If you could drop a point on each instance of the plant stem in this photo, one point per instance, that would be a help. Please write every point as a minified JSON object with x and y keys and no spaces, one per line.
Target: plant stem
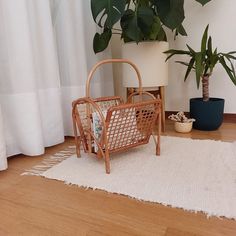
{"x":205,"y":88}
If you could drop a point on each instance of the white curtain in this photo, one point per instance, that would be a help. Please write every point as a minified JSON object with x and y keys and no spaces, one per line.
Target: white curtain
{"x":3,"y":159}
{"x":45,"y":55}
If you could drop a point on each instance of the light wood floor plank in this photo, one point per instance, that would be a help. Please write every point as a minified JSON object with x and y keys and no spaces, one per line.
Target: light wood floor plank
{"x":31,"y":205}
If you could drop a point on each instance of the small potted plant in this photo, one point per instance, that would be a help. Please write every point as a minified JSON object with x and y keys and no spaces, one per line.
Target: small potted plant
{"x":207,"y":111}
{"x":182,"y":123}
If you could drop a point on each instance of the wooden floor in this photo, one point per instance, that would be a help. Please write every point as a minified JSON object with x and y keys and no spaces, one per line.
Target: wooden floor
{"x":31,"y":205}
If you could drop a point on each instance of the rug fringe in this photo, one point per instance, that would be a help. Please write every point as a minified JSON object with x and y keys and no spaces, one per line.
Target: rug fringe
{"x":50,"y":161}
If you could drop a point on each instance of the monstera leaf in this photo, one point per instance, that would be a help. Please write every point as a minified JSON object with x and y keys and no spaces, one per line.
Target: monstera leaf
{"x":136,"y":24}
{"x":101,"y":41}
{"x":171,"y":12}
{"x":108,"y":12}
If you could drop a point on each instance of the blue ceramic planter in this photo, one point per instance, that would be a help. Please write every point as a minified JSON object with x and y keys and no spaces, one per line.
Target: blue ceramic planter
{"x":208,"y":115}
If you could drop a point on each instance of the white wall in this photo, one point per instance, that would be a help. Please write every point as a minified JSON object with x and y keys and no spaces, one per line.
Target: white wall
{"x":221,"y":17}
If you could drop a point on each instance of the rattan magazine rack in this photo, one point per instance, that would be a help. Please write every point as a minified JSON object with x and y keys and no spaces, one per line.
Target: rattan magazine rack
{"x":107,"y":125}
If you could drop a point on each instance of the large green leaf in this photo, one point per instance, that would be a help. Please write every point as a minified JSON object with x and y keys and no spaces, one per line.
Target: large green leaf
{"x":173,"y":52}
{"x":229,"y":71}
{"x":203,"y":2}
{"x":109,"y":11}
{"x":209,"y":47}
{"x":192,"y":52}
{"x":161,"y":36}
{"x":155,"y":29}
{"x":171,"y":12}
{"x":137,"y":24}
{"x":182,"y":63}
{"x":229,"y":56}
{"x":233,"y":52}
{"x":204,"y":41}
{"x":213,"y":59}
{"x":190,"y":67}
{"x":145,"y":17}
{"x":181,"y":30}
{"x":129,"y":25}
{"x":101,"y":41}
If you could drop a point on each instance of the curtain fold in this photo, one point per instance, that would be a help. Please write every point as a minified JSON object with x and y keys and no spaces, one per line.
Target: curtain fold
{"x":3,"y":160}
{"x":45,"y":55}
{"x":74,"y":30}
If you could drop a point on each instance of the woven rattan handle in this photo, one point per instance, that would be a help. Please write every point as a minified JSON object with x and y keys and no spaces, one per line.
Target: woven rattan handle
{"x":112,"y":61}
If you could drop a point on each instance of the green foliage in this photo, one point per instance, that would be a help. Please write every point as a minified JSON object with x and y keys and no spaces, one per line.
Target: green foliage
{"x":204,"y":61}
{"x":140,"y":20}
{"x":110,"y":10}
{"x":203,"y":2}
{"x":171,"y":12}
{"x":101,"y":41}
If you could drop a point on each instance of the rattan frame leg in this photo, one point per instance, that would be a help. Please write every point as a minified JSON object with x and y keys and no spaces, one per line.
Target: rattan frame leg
{"x":162,"y":97}
{"x":107,"y":162}
{"x":77,"y":138}
{"x":158,"y":148}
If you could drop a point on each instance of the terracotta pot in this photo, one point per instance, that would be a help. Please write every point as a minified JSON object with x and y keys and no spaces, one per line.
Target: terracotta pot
{"x":183,"y":127}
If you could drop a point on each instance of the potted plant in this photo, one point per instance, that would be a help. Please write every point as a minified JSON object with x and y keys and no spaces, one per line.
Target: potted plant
{"x":142,"y":22}
{"x":182,"y":123}
{"x":207,"y":111}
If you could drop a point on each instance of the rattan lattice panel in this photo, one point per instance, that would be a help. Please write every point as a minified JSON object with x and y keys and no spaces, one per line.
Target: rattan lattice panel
{"x":82,"y":115}
{"x":105,"y":103}
{"x":130,"y":125}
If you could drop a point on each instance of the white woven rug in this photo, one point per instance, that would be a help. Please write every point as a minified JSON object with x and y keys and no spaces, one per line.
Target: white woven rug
{"x":196,"y":175}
